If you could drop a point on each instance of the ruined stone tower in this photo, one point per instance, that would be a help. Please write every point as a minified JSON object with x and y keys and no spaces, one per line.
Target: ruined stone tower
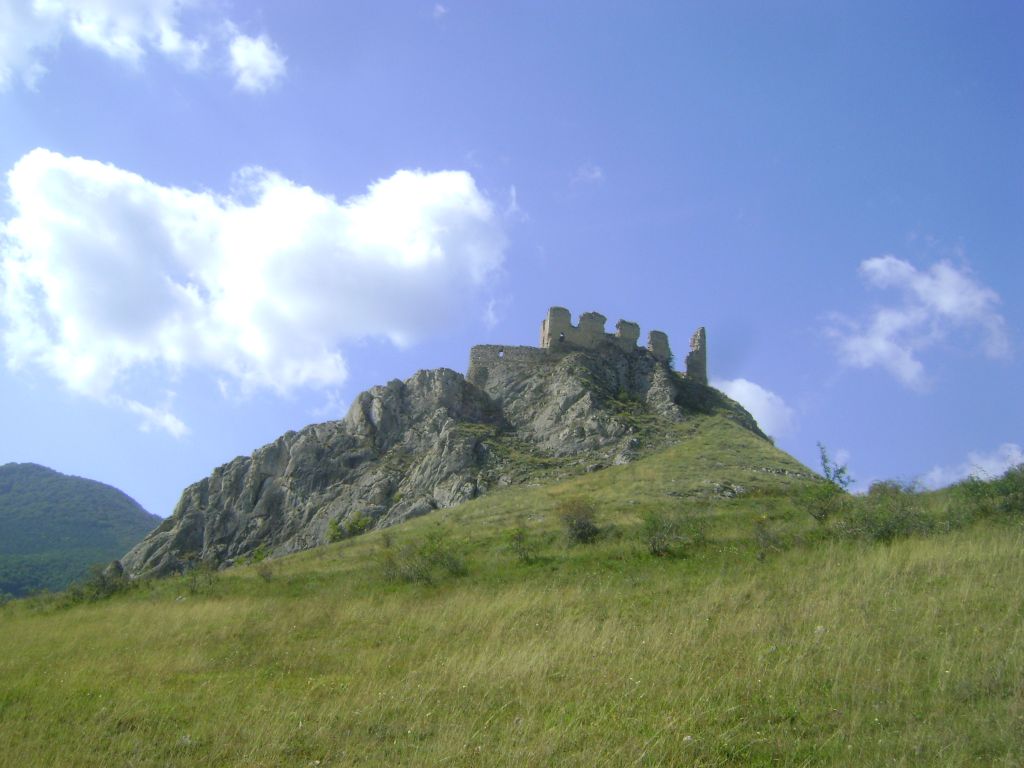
{"x":558,"y":332}
{"x":559,"y":336}
{"x":697,"y":359}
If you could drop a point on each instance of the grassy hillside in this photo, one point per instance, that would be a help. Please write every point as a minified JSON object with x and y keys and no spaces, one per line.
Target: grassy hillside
{"x":53,"y":527}
{"x":889,"y":634}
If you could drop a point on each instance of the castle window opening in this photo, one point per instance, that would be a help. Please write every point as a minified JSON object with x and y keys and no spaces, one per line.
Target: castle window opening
{"x":561,"y":337}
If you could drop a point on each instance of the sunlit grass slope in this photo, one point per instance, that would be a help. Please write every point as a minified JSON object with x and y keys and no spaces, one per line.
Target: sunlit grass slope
{"x":769,"y":642}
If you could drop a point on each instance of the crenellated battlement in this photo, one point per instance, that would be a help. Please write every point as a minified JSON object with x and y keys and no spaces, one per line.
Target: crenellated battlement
{"x":557,"y":331}
{"x":558,"y":336}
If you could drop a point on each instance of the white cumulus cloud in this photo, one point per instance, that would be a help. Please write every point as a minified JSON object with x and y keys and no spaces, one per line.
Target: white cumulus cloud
{"x":128,"y":31}
{"x":256,"y":63}
{"x":104,"y":274}
{"x":982,"y":465}
{"x":934,"y":303}
{"x":771,"y":412}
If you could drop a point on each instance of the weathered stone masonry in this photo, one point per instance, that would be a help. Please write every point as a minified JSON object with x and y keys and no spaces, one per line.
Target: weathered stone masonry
{"x":559,"y":336}
{"x":697,"y":359}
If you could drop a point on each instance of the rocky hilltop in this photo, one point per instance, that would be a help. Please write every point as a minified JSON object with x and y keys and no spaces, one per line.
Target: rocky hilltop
{"x":522,"y":414}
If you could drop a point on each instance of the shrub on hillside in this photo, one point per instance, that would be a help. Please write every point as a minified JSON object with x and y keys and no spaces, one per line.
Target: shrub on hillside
{"x":1003,"y":495}
{"x":891,"y":510}
{"x":335,"y":532}
{"x":356,"y":525}
{"x":101,"y":583}
{"x":521,"y":545}
{"x":826,"y":499}
{"x":975,"y":496}
{"x":671,"y":535}
{"x":1011,"y":491}
{"x":422,"y":560}
{"x":200,"y":574}
{"x":265,"y":571}
{"x":579,"y":517}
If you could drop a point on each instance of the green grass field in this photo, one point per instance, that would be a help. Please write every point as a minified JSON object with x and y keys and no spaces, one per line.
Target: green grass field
{"x":770,"y":639}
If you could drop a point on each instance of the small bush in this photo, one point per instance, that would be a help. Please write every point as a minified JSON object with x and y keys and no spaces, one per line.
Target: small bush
{"x":520,"y":544}
{"x":890,"y":511}
{"x":578,"y":515}
{"x":201,"y":574}
{"x":335,"y":532}
{"x":356,"y":525}
{"x":1010,"y":488}
{"x":405,"y":564}
{"x":101,"y":583}
{"x":422,"y":561}
{"x":837,"y":474}
{"x":954,"y":517}
{"x":1002,"y":496}
{"x":824,"y":500}
{"x":671,"y":535}
{"x":441,"y":552}
{"x":975,"y":496}
{"x":265,"y":571}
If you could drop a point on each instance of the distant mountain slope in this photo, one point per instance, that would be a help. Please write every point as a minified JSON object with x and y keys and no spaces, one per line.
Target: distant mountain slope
{"x":54,"y":526}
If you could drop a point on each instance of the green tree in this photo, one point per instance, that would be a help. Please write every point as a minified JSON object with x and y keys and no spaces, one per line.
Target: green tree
{"x":825,"y":499}
{"x":836,"y":474}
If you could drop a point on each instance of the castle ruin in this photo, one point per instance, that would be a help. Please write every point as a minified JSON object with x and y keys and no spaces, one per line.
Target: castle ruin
{"x":559,"y":336}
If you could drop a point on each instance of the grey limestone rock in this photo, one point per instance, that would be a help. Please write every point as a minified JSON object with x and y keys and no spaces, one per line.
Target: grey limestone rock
{"x":433,"y":441}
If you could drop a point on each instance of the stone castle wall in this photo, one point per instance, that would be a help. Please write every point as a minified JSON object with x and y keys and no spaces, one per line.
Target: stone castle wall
{"x":557,"y":328}
{"x":483,"y":356}
{"x":657,"y":344}
{"x":557,"y":331}
{"x":558,"y":336}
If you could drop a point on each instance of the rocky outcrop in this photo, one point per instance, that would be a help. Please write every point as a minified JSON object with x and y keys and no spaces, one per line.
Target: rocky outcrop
{"x":432,"y":441}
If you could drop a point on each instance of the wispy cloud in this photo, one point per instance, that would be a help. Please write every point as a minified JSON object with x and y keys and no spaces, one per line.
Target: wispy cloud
{"x":440,"y":11}
{"x":588,"y":173}
{"x":490,"y":317}
{"x":933,"y":304}
{"x":983,"y":465}
{"x":514,"y":211}
{"x":772,"y":413}
{"x":104,"y":274}
{"x":153,"y":417}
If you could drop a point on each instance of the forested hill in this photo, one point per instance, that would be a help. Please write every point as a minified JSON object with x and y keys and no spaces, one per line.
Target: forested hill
{"x":54,"y":526}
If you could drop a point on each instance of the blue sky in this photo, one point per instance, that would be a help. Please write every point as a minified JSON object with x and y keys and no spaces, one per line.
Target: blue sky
{"x":221,"y":221}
